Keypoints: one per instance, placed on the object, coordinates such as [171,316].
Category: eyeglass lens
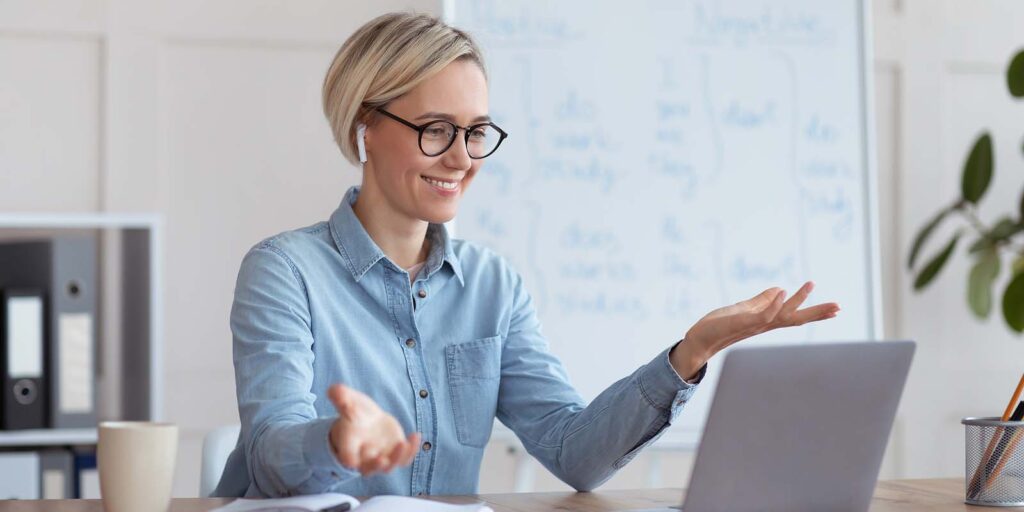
[438,136]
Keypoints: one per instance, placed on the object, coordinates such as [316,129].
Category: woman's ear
[360,142]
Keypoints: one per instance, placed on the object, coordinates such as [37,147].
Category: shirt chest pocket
[474,374]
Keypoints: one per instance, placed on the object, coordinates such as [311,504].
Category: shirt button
[427,446]
[422,294]
[410,343]
[423,393]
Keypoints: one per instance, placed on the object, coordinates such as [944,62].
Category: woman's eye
[479,133]
[435,131]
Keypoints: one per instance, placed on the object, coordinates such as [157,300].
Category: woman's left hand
[724,326]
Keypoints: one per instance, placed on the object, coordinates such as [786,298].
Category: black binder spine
[23,331]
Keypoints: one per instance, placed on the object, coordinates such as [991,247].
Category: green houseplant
[990,242]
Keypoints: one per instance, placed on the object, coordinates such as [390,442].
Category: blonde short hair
[384,59]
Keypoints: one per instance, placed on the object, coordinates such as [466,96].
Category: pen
[1008,437]
[975,486]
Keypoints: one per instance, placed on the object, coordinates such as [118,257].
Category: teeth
[442,184]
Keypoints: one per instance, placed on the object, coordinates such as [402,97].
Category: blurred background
[184,132]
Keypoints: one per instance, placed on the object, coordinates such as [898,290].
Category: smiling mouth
[442,184]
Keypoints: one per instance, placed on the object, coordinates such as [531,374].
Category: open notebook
[335,502]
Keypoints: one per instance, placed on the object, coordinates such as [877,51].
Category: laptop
[798,428]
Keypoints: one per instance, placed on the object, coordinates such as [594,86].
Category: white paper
[403,504]
[310,503]
[75,353]
[316,502]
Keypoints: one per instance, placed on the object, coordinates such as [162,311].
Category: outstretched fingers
[396,456]
[412,448]
[797,299]
[815,313]
[348,453]
[372,460]
[343,398]
[765,298]
[761,308]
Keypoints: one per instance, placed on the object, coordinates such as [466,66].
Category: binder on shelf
[22,351]
[20,472]
[56,475]
[65,268]
[87,476]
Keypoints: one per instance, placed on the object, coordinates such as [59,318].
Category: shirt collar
[361,252]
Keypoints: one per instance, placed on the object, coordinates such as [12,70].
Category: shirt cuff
[700,375]
[662,386]
[317,448]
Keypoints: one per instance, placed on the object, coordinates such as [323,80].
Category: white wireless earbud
[360,143]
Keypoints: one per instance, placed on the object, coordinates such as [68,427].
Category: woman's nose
[457,156]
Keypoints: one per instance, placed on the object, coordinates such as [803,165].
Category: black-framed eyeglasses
[435,137]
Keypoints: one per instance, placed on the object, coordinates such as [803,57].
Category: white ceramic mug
[136,463]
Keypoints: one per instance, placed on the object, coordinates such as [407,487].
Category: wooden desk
[943,495]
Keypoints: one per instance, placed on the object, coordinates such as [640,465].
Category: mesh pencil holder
[995,462]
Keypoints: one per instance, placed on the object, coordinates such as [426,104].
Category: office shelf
[129,372]
[47,437]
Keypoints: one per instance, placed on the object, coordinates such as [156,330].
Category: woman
[372,352]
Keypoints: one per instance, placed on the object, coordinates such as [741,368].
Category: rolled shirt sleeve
[583,445]
[286,444]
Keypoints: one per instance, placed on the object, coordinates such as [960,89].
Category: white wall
[209,114]
[940,80]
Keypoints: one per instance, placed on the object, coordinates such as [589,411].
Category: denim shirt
[444,354]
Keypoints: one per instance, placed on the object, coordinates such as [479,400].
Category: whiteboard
[666,158]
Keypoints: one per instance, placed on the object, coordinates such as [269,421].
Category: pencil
[1004,453]
[975,486]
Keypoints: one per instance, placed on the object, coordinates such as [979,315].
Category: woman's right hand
[364,437]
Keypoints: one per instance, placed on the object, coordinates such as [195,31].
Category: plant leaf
[1015,75]
[1018,265]
[981,244]
[923,235]
[977,169]
[1005,228]
[935,265]
[1002,231]
[1013,303]
[979,283]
